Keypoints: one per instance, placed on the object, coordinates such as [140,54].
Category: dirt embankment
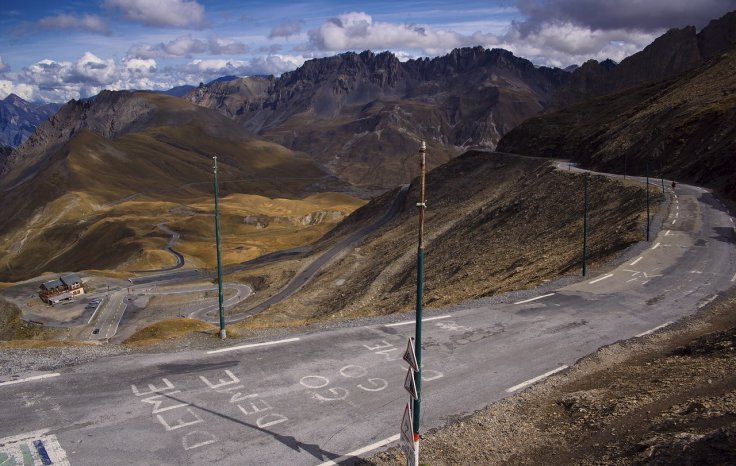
[12,327]
[667,399]
[494,223]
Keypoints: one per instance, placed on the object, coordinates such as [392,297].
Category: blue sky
[56,51]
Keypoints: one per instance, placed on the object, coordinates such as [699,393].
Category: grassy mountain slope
[95,200]
[685,127]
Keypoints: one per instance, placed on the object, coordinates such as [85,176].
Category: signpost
[407,436]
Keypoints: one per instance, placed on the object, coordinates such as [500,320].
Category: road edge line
[253,345]
[600,279]
[407,322]
[533,299]
[360,451]
[535,379]
[652,330]
[30,379]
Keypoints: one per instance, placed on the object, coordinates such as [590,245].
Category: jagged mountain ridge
[675,52]
[19,119]
[362,115]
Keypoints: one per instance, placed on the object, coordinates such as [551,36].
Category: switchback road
[321,396]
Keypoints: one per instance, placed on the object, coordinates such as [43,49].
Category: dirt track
[667,398]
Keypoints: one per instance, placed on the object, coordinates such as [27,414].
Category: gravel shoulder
[667,398]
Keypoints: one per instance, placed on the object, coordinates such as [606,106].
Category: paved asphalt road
[317,396]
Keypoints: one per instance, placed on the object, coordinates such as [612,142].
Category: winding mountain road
[322,396]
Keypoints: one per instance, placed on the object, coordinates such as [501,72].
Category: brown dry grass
[40,344]
[170,329]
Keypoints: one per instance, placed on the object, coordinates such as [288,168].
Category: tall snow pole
[420,299]
[647,186]
[223,334]
[585,224]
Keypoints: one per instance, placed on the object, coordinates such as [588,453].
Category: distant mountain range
[19,119]
[351,123]
[362,115]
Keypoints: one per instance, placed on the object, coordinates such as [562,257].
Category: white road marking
[535,379]
[673,221]
[360,451]
[253,345]
[29,379]
[654,329]
[677,214]
[631,280]
[677,207]
[707,301]
[637,260]
[731,218]
[601,278]
[407,322]
[734,278]
[534,299]
[656,246]
[667,233]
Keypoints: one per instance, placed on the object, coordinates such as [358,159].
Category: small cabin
[64,288]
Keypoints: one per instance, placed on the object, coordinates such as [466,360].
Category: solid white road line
[29,379]
[654,329]
[656,246]
[637,260]
[407,322]
[534,299]
[601,278]
[253,345]
[535,379]
[360,451]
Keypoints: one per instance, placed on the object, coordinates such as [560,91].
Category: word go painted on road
[319,384]
[250,404]
[173,414]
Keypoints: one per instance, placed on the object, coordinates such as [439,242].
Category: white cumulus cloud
[89,23]
[171,13]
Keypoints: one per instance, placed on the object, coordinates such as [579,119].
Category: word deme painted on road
[174,414]
[32,448]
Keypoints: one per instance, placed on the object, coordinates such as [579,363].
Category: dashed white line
[253,345]
[29,379]
[734,278]
[656,246]
[533,299]
[654,329]
[637,260]
[731,218]
[707,301]
[407,322]
[535,379]
[600,279]
[677,214]
[673,221]
[667,233]
[360,451]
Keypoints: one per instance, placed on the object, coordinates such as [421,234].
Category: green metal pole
[420,295]
[647,198]
[585,225]
[223,334]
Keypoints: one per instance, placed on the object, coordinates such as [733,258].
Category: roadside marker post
[223,334]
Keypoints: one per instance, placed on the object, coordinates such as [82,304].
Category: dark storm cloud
[642,15]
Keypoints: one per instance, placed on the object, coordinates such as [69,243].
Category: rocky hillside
[673,53]
[684,127]
[362,115]
[18,119]
[494,223]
